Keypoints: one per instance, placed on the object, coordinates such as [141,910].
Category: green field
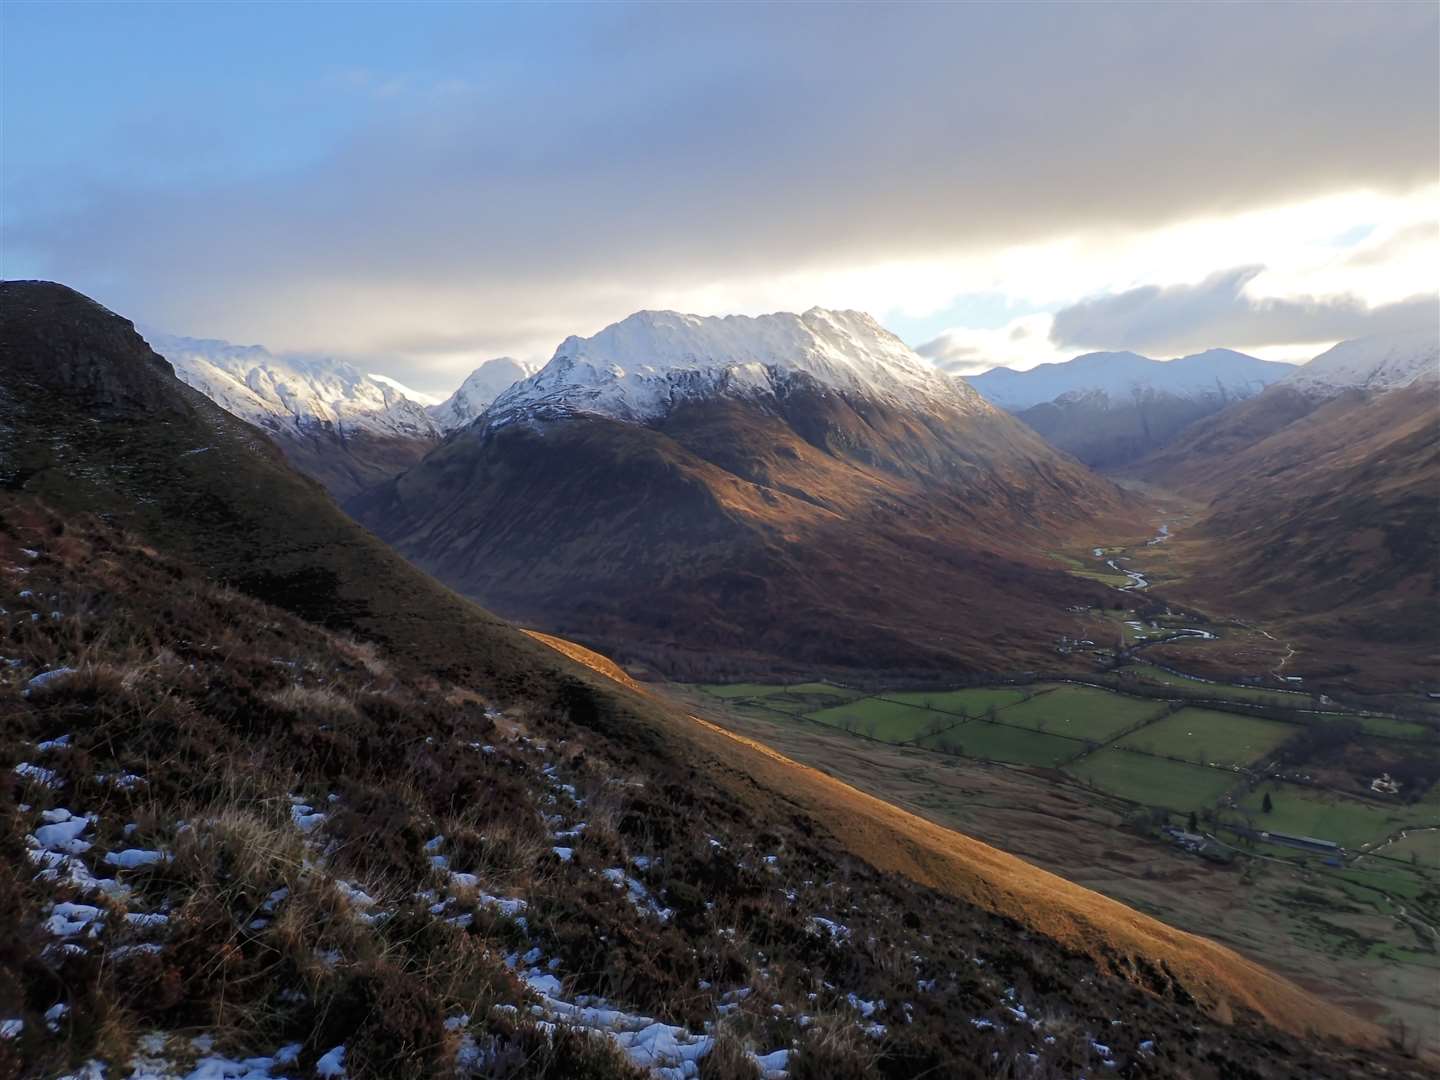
[1395,729]
[1157,676]
[820,689]
[741,690]
[1081,712]
[1424,845]
[1152,781]
[966,702]
[1217,737]
[1095,569]
[997,742]
[1325,816]
[885,720]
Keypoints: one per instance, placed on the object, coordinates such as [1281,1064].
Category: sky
[419,187]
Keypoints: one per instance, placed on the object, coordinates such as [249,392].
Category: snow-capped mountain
[641,367]
[484,385]
[1377,363]
[1221,372]
[1110,408]
[342,427]
[292,392]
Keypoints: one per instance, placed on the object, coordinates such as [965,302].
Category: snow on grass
[45,678]
[70,919]
[63,836]
[639,895]
[38,774]
[305,816]
[836,931]
[131,858]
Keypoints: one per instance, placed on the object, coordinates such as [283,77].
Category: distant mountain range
[347,429]
[1110,408]
[712,494]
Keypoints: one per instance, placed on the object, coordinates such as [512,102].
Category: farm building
[1309,843]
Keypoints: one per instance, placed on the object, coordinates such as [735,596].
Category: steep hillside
[1109,409]
[346,429]
[1323,508]
[727,495]
[373,828]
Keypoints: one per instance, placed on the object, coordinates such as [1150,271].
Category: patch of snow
[133,857]
[45,678]
[69,919]
[64,836]
[331,1063]
[836,931]
[39,774]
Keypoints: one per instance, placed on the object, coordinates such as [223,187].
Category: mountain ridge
[1214,371]
[644,365]
[337,424]
[1109,409]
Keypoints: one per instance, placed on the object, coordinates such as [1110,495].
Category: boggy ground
[232,836]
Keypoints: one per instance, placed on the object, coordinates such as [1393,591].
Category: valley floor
[1252,812]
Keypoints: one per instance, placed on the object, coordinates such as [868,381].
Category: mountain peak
[640,367]
[480,388]
[1377,363]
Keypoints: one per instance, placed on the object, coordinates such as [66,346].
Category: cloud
[1170,320]
[1021,343]
[949,352]
[626,157]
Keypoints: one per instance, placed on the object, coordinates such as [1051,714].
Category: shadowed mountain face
[1323,513]
[1108,409]
[803,527]
[1107,432]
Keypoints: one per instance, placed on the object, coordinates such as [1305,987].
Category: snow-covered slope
[293,393]
[1119,375]
[484,385]
[1381,362]
[639,368]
